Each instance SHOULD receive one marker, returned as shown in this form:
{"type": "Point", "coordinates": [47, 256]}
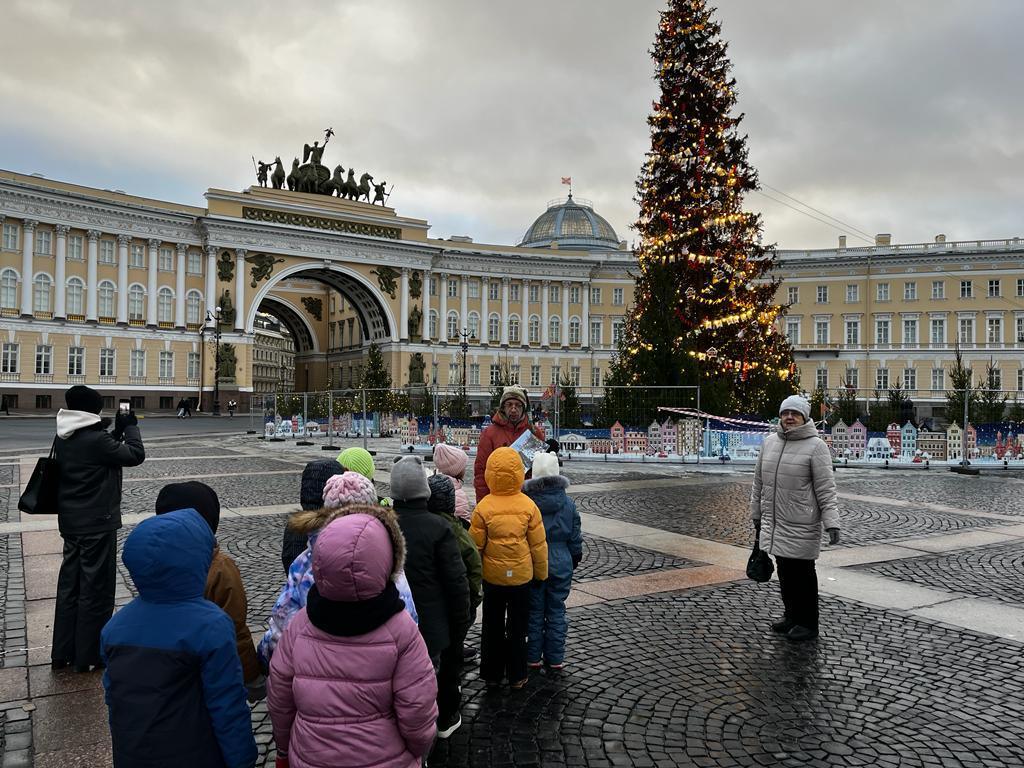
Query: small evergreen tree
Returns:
{"type": "Point", "coordinates": [880, 415]}
{"type": "Point", "coordinates": [901, 407]}
{"type": "Point", "coordinates": [504, 380]}
{"type": "Point", "coordinates": [845, 406]}
{"type": "Point", "coordinates": [569, 409]}
{"type": "Point", "coordinates": [992, 400]}
{"type": "Point", "coordinates": [376, 379]}
{"type": "Point", "coordinates": [960, 377]}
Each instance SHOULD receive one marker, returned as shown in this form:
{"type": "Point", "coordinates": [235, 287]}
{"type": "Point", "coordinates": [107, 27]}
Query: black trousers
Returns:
{"type": "Point", "coordinates": [85, 596]}
{"type": "Point", "coordinates": [503, 632]}
{"type": "Point", "coordinates": [449, 697]}
{"type": "Point", "coordinates": [799, 583]}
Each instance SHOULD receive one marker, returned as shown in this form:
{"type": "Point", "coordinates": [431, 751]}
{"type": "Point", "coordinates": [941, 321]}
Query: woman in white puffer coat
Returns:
{"type": "Point", "coordinates": [793, 498]}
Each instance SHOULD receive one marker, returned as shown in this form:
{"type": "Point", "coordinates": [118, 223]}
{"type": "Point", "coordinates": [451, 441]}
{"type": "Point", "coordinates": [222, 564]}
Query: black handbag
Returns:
{"type": "Point", "coordinates": [759, 566]}
{"type": "Point", "coordinates": [40, 495]}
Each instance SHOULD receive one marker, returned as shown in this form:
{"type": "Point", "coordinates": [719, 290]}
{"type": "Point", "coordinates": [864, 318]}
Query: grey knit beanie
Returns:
{"type": "Point", "coordinates": [408, 480]}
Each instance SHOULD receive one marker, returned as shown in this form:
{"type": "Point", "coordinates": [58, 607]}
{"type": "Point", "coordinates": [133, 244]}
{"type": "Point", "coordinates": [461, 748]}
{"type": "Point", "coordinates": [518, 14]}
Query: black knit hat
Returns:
{"type": "Point", "coordinates": [191, 495]}
{"type": "Point", "coordinates": [442, 494]}
{"type": "Point", "coordinates": [82, 398]}
{"type": "Point", "coordinates": [314, 478]}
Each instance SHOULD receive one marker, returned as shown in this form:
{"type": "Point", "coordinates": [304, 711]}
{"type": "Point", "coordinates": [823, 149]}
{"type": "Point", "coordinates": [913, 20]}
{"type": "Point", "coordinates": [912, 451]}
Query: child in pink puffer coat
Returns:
{"type": "Point", "coordinates": [351, 682]}
{"type": "Point", "coordinates": [451, 460]}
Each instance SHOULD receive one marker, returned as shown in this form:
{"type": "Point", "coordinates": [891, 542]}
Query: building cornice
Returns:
{"type": "Point", "coordinates": [915, 254]}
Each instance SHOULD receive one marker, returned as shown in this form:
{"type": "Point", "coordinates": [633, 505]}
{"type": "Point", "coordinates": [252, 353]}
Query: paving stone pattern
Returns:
{"type": "Point", "coordinates": [169, 450]}
{"type": "Point", "coordinates": [12, 603]}
{"type": "Point", "coordinates": [8, 505]}
{"type": "Point", "coordinates": [7, 473]}
{"type": "Point", "coordinates": [613, 474]}
{"type": "Point", "coordinates": [993, 572]}
{"type": "Point", "coordinates": [248, 491]}
{"type": "Point", "coordinates": [607, 559]}
{"type": "Point", "coordinates": [991, 493]}
{"type": "Point", "coordinates": [188, 468]}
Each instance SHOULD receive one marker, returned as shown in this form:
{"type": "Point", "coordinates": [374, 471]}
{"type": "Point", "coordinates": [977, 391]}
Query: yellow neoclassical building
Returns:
{"type": "Point", "coordinates": [117, 291]}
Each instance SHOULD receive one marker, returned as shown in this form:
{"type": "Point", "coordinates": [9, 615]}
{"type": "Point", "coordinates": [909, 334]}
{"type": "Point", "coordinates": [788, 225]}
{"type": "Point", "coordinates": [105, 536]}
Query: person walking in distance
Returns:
{"type": "Point", "coordinates": [88, 516]}
{"type": "Point", "coordinates": [792, 499]}
{"type": "Point", "coordinates": [506, 426]}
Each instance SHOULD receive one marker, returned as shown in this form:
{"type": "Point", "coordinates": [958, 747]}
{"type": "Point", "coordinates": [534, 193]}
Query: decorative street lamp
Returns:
{"type": "Point", "coordinates": [215, 317]}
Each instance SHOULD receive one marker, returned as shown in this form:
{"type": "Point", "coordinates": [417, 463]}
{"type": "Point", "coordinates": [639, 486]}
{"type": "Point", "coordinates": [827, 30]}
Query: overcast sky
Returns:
{"type": "Point", "coordinates": [904, 117]}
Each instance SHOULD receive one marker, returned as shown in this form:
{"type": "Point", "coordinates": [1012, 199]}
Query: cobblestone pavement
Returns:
{"type": "Point", "coordinates": [251, 491]}
{"type": "Point", "coordinates": [992, 493]}
{"type": "Point", "coordinates": [170, 470]}
{"type": "Point", "coordinates": [6, 474]}
{"type": "Point", "coordinates": [608, 559]}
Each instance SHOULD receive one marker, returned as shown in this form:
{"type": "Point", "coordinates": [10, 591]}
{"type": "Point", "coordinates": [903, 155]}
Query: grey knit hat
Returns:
{"type": "Point", "coordinates": [442, 494]}
{"type": "Point", "coordinates": [408, 480]}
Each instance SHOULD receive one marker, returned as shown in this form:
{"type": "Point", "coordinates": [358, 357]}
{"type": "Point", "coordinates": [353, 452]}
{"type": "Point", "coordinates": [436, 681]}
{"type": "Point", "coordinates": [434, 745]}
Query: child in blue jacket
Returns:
{"type": "Point", "coordinates": [173, 680]}
{"type": "Point", "coordinates": [548, 624]}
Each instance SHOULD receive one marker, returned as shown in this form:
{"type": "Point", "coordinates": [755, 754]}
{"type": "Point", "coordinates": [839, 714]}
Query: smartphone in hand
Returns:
{"type": "Point", "coordinates": [124, 406]}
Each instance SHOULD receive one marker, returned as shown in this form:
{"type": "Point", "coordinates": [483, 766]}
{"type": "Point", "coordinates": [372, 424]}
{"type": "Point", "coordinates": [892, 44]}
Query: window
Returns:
{"type": "Point", "coordinates": [138, 402]}
{"type": "Point", "coordinates": [534, 375]}
{"type": "Point", "coordinates": [852, 293]}
{"type": "Point", "coordinates": [452, 325]}
{"type": "Point", "coordinates": [555, 330]}
{"type": "Point", "coordinates": [107, 252]}
{"type": "Point", "coordinates": [76, 361]}
{"type": "Point", "coordinates": [617, 297]}
{"type": "Point", "coordinates": [909, 379]}
{"type": "Point", "coordinates": [1020, 286]}
{"type": "Point", "coordinates": [882, 292]}
{"type": "Point", "coordinates": [137, 256]}
{"type": "Point", "coordinates": [595, 295]}
{"type": "Point", "coordinates": [910, 291]}
{"type": "Point", "coordinates": [44, 242]}
{"type": "Point", "coordinates": [853, 331]}
{"type": "Point", "coordinates": [938, 334]}
{"type": "Point", "coordinates": [909, 330]}
{"type": "Point", "coordinates": [9, 358]}
{"type": "Point", "coordinates": [617, 326]}
{"type": "Point", "coordinates": [823, 294]}
{"type": "Point", "coordinates": [534, 329]}
{"type": "Point", "coordinates": [195, 263]}
{"type": "Point", "coordinates": [433, 286]}
{"type": "Point", "coordinates": [166, 365]}
{"type": "Point", "coordinates": [493, 328]}
{"type": "Point", "coordinates": [513, 292]}
{"type": "Point", "coordinates": [74, 248]}
{"type": "Point", "coordinates": [453, 374]}
{"type": "Point", "coordinates": [595, 333]}
{"type": "Point", "coordinates": [107, 362]}
{"type": "Point", "coordinates": [136, 296]}
{"type": "Point", "coordinates": [881, 331]}
{"type": "Point", "coordinates": [966, 289]}
{"type": "Point", "coordinates": [44, 359]}
{"type": "Point", "coordinates": [137, 363]}
{"type": "Point", "coordinates": [574, 294]}
{"type": "Point", "coordinates": [852, 378]}
{"type": "Point", "coordinates": [8, 289]}
{"type": "Point", "coordinates": [966, 330]}
{"type": "Point", "coordinates": [1020, 379]}
{"type": "Point", "coordinates": [474, 374]}
{"type": "Point", "coordinates": [882, 378]}
{"type": "Point", "coordinates": [41, 293]}
{"type": "Point", "coordinates": [995, 330]}
{"type": "Point", "coordinates": [821, 378]}
{"type": "Point", "coordinates": [10, 237]}
{"type": "Point", "coordinates": [793, 330]}
{"type": "Point", "coordinates": [595, 377]}
{"type": "Point", "coordinates": [493, 290]}
{"type": "Point", "coordinates": [106, 299]}
{"type": "Point", "coordinates": [495, 374]}
{"type": "Point", "coordinates": [996, 380]}
{"type": "Point", "coordinates": [555, 373]}
{"type": "Point", "coordinates": [193, 307]}
{"type": "Point", "coordinates": [453, 289]}
{"type": "Point", "coordinates": [793, 294]}
{"type": "Point", "coordinates": [514, 374]}
{"type": "Point", "coordinates": [165, 305]}
{"type": "Point", "coordinates": [432, 326]}
{"type": "Point", "coordinates": [473, 325]}
{"type": "Point", "coordinates": [44, 402]}
{"type": "Point", "coordinates": [474, 289]}
{"type": "Point", "coordinates": [938, 289]}
{"type": "Point", "coordinates": [575, 327]}
{"type": "Point", "coordinates": [938, 379]}
{"type": "Point", "coordinates": [513, 329]}
{"type": "Point", "coordinates": [821, 331]}
{"type": "Point", "coordinates": [534, 293]}
{"type": "Point", "coordinates": [995, 289]}
{"type": "Point", "coordinates": [574, 375]}
{"type": "Point", "coordinates": [73, 296]}
{"type": "Point", "coordinates": [165, 260]}
{"type": "Point", "coordinates": [555, 293]}
{"type": "Point", "coordinates": [1020, 328]}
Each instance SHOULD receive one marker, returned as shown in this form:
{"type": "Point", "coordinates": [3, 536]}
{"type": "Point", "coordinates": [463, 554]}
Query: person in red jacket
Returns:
{"type": "Point", "coordinates": [511, 420]}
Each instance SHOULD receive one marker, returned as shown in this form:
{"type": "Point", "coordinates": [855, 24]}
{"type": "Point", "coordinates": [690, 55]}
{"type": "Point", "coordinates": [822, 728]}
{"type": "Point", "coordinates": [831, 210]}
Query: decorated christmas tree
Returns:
{"type": "Point", "coordinates": [704, 307]}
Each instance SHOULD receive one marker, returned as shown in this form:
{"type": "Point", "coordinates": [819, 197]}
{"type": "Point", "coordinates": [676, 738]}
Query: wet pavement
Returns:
{"type": "Point", "coordinates": [669, 657]}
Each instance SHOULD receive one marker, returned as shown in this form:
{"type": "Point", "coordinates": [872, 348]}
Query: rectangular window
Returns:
{"type": "Point", "coordinates": [910, 379]}
{"type": "Point", "coordinates": [44, 359]}
{"type": "Point", "coordinates": [574, 294]}
{"type": "Point", "coordinates": [822, 296]}
{"type": "Point", "coordinates": [853, 331]}
{"type": "Point", "coordinates": [996, 381]}
{"type": "Point", "coordinates": [76, 361]}
{"type": "Point", "coordinates": [195, 264]}
{"type": "Point", "coordinates": [433, 286]}
{"type": "Point", "coordinates": [852, 378]}
{"type": "Point", "coordinates": [107, 252]}
{"type": "Point", "coordinates": [534, 293]}
{"type": "Point", "coordinates": [1020, 329]}
{"type": "Point", "coordinates": [166, 365]}
{"type": "Point", "coordinates": [9, 358]}
{"type": "Point", "coordinates": [882, 292]}
{"type": "Point", "coordinates": [938, 289]}
{"type": "Point", "coordinates": [881, 331]}
{"type": "Point", "coordinates": [966, 330]}
{"type": "Point", "coordinates": [910, 291]}
{"type": "Point", "coordinates": [595, 333]}
{"type": "Point", "coordinates": [617, 326]}
{"type": "Point", "coordinates": [192, 371]}
{"type": "Point", "coordinates": [555, 372]}
{"type": "Point", "coordinates": [574, 375]}
{"type": "Point", "coordinates": [966, 289]}
{"type": "Point", "coordinates": [793, 330]}
{"type": "Point", "coordinates": [44, 402]}
{"type": "Point", "coordinates": [495, 374]}
{"type": "Point", "coordinates": [995, 289]}
{"type": "Point", "coordinates": [555, 293]}
{"type": "Point", "coordinates": [44, 242]}
{"type": "Point", "coordinates": [474, 374]}
{"type": "Point", "coordinates": [514, 374]}
{"type": "Point", "coordinates": [1020, 286]}
{"type": "Point", "coordinates": [534, 375]}
{"type": "Point", "coordinates": [595, 377]}
{"type": "Point", "coordinates": [137, 363]}
{"type": "Point", "coordinates": [10, 237]}
{"type": "Point", "coordinates": [852, 293]}
{"type": "Point", "coordinates": [938, 332]}
{"type": "Point", "coordinates": [618, 297]}
{"type": "Point", "coordinates": [107, 366]}
{"type": "Point", "coordinates": [165, 260]}
{"type": "Point", "coordinates": [513, 292]}
{"type": "Point", "coordinates": [137, 256]}
{"type": "Point", "coordinates": [454, 374]}
{"type": "Point", "coordinates": [793, 294]}
{"type": "Point", "coordinates": [995, 330]}
{"type": "Point", "coordinates": [821, 331]}
{"type": "Point", "coordinates": [938, 379]}
{"type": "Point", "coordinates": [453, 289]}
{"type": "Point", "coordinates": [821, 378]}
{"type": "Point", "coordinates": [595, 295]}
{"type": "Point", "coordinates": [882, 378]}
{"type": "Point", "coordinates": [74, 247]}
{"type": "Point", "coordinates": [909, 331]}
{"type": "Point", "coordinates": [1020, 379]}
{"type": "Point", "coordinates": [474, 289]}
{"type": "Point", "coordinates": [494, 290]}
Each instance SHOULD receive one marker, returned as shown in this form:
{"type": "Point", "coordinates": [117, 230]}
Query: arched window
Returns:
{"type": "Point", "coordinates": [513, 329]}
{"type": "Point", "coordinates": [73, 296]}
{"type": "Point", "coordinates": [432, 328]}
{"type": "Point", "coordinates": [136, 302]}
{"type": "Point", "coordinates": [453, 325]}
{"type": "Point", "coordinates": [555, 330]}
{"type": "Point", "coordinates": [575, 330]}
{"type": "Point", "coordinates": [8, 289]}
{"type": "Point", "coordinates": [493, 328]}
{"type": "Point", "coordinates": [106, 299]}
{"type": "Point", "coordinates": [193, 307]}
{"type": "Point", "coordinates": [165, 305]}
{"type": "Point", "coordinates": [534, 329]}
{"type": "Point", "coordinates": [474, 325]}
{"type": "Point", "coordinates": [41, 285]}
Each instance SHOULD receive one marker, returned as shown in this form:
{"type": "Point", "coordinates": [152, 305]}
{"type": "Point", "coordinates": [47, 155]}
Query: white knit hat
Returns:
{"type": "Point", "coordinates": [798, 404]}
{"type": "Point", "coordinates": [545, 465]}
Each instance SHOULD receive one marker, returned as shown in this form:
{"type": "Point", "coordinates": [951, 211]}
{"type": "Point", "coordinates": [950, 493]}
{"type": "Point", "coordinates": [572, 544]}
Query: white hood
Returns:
{"type": "Point", "coordinates": [69, 422]}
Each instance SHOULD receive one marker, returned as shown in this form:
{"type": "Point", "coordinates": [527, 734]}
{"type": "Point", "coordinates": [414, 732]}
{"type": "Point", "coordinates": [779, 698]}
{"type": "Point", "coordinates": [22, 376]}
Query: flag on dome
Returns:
{"type": "Point", "coordinates": [567, 180]}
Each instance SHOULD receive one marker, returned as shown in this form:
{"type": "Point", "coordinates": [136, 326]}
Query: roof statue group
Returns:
{"type": "Point", "coordinates": [314, 177]}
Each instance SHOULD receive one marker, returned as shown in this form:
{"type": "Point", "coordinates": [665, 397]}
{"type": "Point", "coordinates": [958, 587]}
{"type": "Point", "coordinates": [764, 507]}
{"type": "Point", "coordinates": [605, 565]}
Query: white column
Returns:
{"type": "Point", "coordinates": [403, 307]}
{"type": "Point", "coordinates": [239, 289]}
{"type": "Point", "coordinates": [426, 305]}
{"type": "Point", "coordinates": [179, 288]}
{"type": "Point", "coordinates": [442, 284]}
{"type": "Point", "coordinates": [463, 303]}
{"type": "Point", "coordinates": [504, 311]}
{"type": "Point", "coordinates": [485, 287]}
{"type": "Point", "coordinates": [544, 317]}
{"type": "Point", "coordinates": [122, 278]}
{"type": "Point", "coordinates": [60, 272]}
{"type": "Point", "coordinates": [211, 283]}
{"type": "Point", "coordinates": [585, 320]}
{"type": "Point", "coordinates": [524, 325]}
{"type": "Point", "coordinates": [91, 286]}
{"type": "Point", "coordinates": [27, 244]}
{"type": "Point", "coordinates": [565, 313]}
{"type": "Point", "coordinates": [151, 284]}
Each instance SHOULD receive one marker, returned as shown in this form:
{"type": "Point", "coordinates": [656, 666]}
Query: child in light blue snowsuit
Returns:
{"type": "Point", "coordinates": [548, 624]}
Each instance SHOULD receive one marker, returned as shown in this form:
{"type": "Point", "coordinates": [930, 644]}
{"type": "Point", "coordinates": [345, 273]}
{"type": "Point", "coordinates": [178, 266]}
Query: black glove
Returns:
{"type": "Point", "coordinates": [833, 535]}
{"type": "Point", "coordinates": [576, 560]}
{"type": "Point", "coordinates": [757, 527]}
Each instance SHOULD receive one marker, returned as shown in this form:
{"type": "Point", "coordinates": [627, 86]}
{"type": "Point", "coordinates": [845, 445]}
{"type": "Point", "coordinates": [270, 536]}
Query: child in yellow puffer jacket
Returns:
{"type": "Point", "coordinates": [508, 529]}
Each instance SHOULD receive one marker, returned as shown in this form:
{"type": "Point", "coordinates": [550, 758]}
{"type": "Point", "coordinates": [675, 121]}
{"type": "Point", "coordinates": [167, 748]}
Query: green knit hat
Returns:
{"type": "Point", "coordinates": [357, 460]}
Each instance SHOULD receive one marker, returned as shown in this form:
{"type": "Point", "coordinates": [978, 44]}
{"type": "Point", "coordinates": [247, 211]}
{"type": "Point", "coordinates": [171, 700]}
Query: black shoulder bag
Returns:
{"type": "Point", "coordinates": [40, 496]}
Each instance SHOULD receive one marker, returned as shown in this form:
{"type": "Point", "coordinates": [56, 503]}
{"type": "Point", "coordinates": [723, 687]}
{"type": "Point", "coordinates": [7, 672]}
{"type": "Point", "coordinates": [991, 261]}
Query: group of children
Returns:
{"type": "Point", "coordinates": [361, 661]}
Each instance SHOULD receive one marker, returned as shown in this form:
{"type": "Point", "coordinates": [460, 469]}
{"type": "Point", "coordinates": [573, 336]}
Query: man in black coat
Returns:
{"type": "Point", "coordinates": [89, 515]}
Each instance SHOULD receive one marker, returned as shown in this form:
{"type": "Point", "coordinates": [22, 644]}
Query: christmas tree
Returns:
{"type": "Point", "coordinates": [704, 305]}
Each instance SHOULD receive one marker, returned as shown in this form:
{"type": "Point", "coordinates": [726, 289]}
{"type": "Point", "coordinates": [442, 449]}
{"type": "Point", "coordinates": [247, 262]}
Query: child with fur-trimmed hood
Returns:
{"type": "Point", "coordinates": [548, 623]}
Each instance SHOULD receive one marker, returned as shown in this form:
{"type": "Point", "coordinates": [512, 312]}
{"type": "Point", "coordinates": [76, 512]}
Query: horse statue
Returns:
{"type": "Point", "coordinates": [350, 191]}
{"type": "Point", "coordinates": [335, 183]}
{"type": "Point", "coordinates": [293, 177]}
{"type": "Point", "coordinates": [364, 186]}
{"type": "Point", "coordinates": [277, 179]}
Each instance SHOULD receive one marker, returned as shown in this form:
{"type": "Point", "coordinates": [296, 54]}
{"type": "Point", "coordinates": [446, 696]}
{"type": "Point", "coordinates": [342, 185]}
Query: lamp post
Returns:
{"type": "Point", "coordinates": [433, 387]}
{"type": "Point", "coordinates": [214, 315]}
{"type": "Point", "coordinates": [465, 349]}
